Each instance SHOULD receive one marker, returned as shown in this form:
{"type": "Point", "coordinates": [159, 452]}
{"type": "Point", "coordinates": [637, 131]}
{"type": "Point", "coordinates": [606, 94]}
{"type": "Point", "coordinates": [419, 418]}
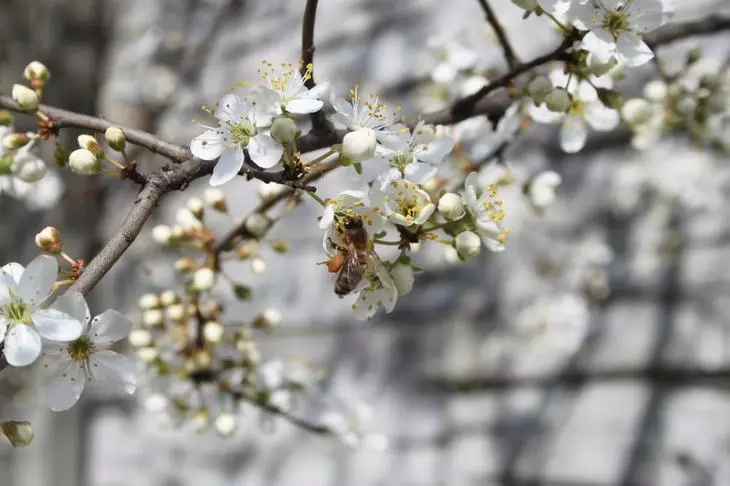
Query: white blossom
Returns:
{"type": "Point", "coordinates": [204, 279]}
{"type": "Point", "coordinates": [487, 211]}
{"type": "Point", "coordinates": [23, 318]}
{"type": "Point", "coordinates": [416, 155]}
{"type": "Point", "coordinates": [87, 359]}
{"type": "Point", "coordinates": [349, 204]}
{"type": "Point", "coordinates": [238, 128]}
{"type": "Point", "coordinates": [401, 201]}
{"type": "Point", "coordinates": [288, 88]}
{"type": "Point", "coordinates": [451, 206]}
{"type": "Point", "coordinates": [25, 97]}
{"type": "Point", "coordinates": [555, 322]}
{"type": "Point", "coordinates": [541, 190]}
{"type": "Point", "coordinates": [380, 292]}
{"type": "Point", "coordinates": [362, 112]}
{"type": "Point", "coordinates": [359, 145]}
{"type": "Point", "coordinates": [467, 244]}
{"type": "Point", "coordinates": [615, 27]}
{"type": "Point", "coordinates": [402, 274]}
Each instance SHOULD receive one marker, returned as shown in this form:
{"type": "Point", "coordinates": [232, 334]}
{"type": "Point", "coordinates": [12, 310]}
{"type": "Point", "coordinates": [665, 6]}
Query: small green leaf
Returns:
{"type": "Point", "coordinates": [20, 434]}
{"type": "Point", "coordinates": [358, 167]}
{"type": "Point", "coordinates": [242, 292]}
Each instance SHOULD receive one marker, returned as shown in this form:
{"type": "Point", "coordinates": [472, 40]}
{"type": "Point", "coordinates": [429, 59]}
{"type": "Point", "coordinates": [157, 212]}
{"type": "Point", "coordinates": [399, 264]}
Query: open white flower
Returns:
{"type": "Point", "coordinates": [585, 108]}
{"type": "Point", "coordinates": [362, 112]}
{"type": "Point", "coordinates": [615, 27]}
{"type": "Point", "coordinates": [349, 204]}
{"type": "Point", "coordinates": [399, 200]}
{"type": "Point", "coordinates": [23, 320]}
{"type": "Point", "coordinates": [479, 139]}
{"type": "Point", "coordinates": [416, 155]}
{"type": "Point", "coordinates": [487, 212]}
{"type": "Point", "coordinates": [541, 190]}
{"type": "Point", "coordinates": [288, 87]}
{"type": "Point", "coordinates": [87, 359]}
{"type": "Point", "coordinates": [238, 125]}
{"type": "Point", "coordinates": [381, 291]}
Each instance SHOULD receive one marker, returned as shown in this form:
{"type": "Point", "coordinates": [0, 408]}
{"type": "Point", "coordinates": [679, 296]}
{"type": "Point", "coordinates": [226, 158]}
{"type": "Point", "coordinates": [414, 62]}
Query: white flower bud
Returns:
{"type": "Point", "coordinates": [656, 90]}
{"type": "Point", "coordinates": [451, 206]}
{"type": "Point", "coordinates": [216, 199]}
{"type": "Point", "coordinates": [451, 256]}
{"type": "Point", "coordinates": [539, 88]}
{"type": "Point", "coordinates": [29, 169]}
{"type": "Point", "coordinates": [25, 97]}
{"type": "Point", "coordinates": [558, 100]}
{"type": "Point", "coordinates": [114, 137]}
{"type": "Point", "coordinates": [637, 111]}
{"type": "Point", "coordinates": [528, 5]}
{"type": "Point", "coordinates": [15, 141]}
{"type": "Point", "coordinates": [148, 354]}
{"type": "Point", "coordinates": [258, 265]}
{"type": "Point", "coordinates": [213, 331]}
{"type": "Point", "coordinates": [139, 338]}
{"type": "Point", "coordinates": [403, 277]}
{"type": "Point", "coordinates": [185, 265]}
{"type": "Point", "coordinates": [359, 145]}
{"type": "Point", "coordinates": [83, 162]}
{"type": "Point", "coordinates": [468, 244]}
{"type": "Point", "coordinates": [257, 224]}
{"type": "Point", "coordinates": [91, 144]}
{"type": "Point", "coordinates": [162, 234]}
{"type": "Point", "coordinates": [225, 424]}
{"type": "Point", "coordinates": [36, 70]}
{"type": "Point", "coordinates": [168, 297]}
{"type": "Point", "coordinates": [49, 240]}
{"type": "Point", "coordinates": [268, 320]}
{"type": "Point", "coordinates": [280, 399]}
{"type": "Point", "coordinates": [152, 317]}
{"type": "Point", "coordinates": [283, 130]}
{"type": "Point", "coordinates": [196, 206]}
{"type": "Point", "coordinates": [598, 68]}
{"type": "Point", "coordinates": [204, 279]}
{"type": "Point", "coordinates": [469, 86]}
{"type": "Point", "coordinates": [542, 189]}
{"type": "Point", "coordinates": [149, 301]}
{"type": "Point", "coordinates": [176, 312]}
{"type": "Point", "coordinates": [200, 419]}
{"type": "Point", "coordinates": [187, 219]}
{"type": "Point", "coordinates": [248, 350]}
{"type": "Point", "coordinates": [270, 190]}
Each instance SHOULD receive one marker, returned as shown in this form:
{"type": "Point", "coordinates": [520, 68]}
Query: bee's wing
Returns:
{"type": "Point", "coordinates": [377, 267]}
{"type": "Point", "coordinates": [353, 272]}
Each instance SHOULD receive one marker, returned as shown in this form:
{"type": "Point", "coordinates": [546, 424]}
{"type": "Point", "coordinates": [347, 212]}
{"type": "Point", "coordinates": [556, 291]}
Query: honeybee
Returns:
{"type": "Point", "coordinates": [355, 258]}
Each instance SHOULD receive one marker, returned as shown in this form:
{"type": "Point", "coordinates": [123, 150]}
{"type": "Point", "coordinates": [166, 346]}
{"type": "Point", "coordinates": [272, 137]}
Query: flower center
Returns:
{"type": "Point", "coordinates": [400, 161]}
{"type": "Point", "coordinates": [17, 311]}
{"type": "Point", "coordinates": [241, 133]}
{"type": "Point", "coordinates": [81, 349]}
{"type": "Point", "coordinates": [616, 22]}
{"type": "Point", "coordinates": [577, 107]}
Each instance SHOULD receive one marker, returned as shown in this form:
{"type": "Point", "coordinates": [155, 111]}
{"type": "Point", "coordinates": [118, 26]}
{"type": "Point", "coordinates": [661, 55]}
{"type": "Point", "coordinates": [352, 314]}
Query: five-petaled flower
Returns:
{"type": "Point", "coordinates": [399, 200]}
{"type": "Point", "coordinates": [288, 86]}
{"type": "Point", "coordinates": [23, 318]}
{"type": "Point", "coordinates": [416, 155]}
{"type": "Point", "coordinates": [487, 211]}
{"type": "Point", "coordinates": [87, 359]}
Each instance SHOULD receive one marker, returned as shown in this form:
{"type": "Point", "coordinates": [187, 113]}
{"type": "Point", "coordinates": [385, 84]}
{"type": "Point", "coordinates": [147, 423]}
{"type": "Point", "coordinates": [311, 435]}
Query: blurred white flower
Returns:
{"type": "Point", "coordinates": [415, 154]}
{"type": "Point", "coordinates": [557, 323]}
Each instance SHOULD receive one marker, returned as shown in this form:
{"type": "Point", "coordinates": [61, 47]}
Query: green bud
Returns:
{"type": "Point", "coordinates": [242, 292]}
{"type": "Point", "coordinates": [6, 118]}
{"type": "Point", "coordinates": [693, 56]}
{"type": "Point", "coordinates": [20, 434]}
{"type": "Point", "coordinates": [6, 164]}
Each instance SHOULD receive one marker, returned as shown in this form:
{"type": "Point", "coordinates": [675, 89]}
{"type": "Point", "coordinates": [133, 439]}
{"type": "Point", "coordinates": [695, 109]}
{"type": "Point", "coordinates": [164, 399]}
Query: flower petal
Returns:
{"type": "Point", "coordinates": [265, 151]}
{"type": "Point", "coordinates": [418, 172]}
{"type": "Point", "coordinates": [14, 271]}
{"type": "Point", "coordinates": [433, 152]}
{"type": "Point", "coordinates": [22, 345]}
{"type": "Point", "coordinates": [74, 305]}
{"type": "Point", "coordinates": [328, 217]}
{"type": "Point", "coordinates": [632, 51]}
{"type": "Point", "coordinates": [573, 134]}
{"type": "Point", "coordinates": [114, 370]}
{"type": "Point", "coordinates": [231, 109]}
{"type": "Point", "coordinates": [208, 146]}
{"type": "Point", "coordinates": [320, 91]}
{"type": "Point", "coordinates": [303, 106]}
{"type": "Point", "coordinates": [109, 327]}
{"type": "Point", "coordinates": [56, 325]}
{"type": "Point", "coordinates": [597, 42]}
{"type": "Point", "coordinates": [66, 386]}
{"type": "Point", "coordinates": [601, 118]}
{"type": "Point", "coordinates": [227, 166]}
{"type": "Point", "coordinates": [36, 283]}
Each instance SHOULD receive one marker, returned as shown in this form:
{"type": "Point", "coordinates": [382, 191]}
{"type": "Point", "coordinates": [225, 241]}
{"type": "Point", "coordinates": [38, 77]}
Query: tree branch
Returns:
{"type": "Point", "coordinates": [509, 52]}
{"type": "Point", "coordinates": [310, 15]}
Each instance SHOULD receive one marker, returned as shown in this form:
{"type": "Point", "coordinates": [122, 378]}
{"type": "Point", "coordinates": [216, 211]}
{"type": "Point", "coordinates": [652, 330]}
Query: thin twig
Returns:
{"type": "Point", "coordinates": [509, 52]}
{"type": "Point", "coordinates": [310, 15]}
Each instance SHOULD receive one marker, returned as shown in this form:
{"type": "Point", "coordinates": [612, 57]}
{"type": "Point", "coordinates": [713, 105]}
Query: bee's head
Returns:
{"type": "Point", "coordinates": [351, 223]}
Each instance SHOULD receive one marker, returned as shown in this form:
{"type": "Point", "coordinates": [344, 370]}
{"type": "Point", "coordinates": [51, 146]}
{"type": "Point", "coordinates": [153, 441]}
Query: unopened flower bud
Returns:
{"type": "Point", "coordinates": [29, 168]}
{"type": "Point", "coordinates": [209, 309]}
{"type": "Point", "coordinates": [15, 140]}
{"type": "Point", "coordinates": [598, 68]}
{"type": "Point", "coordinates": [36, 71]}
{"type": "Point", "coordinates": [114, 137]}
{"type": "Point", "coordinates": [359, 145]}
{"type": "Point", "coordinates": [257, 224]}
{"type": "Point", "coordinates": [204, 279]}
{"type": "Point", "coordinates": [542, 189]}
{"type": "Point", "coordinates": [188, 220]}
{"type": "Point", "coordinates": [269, 190]}
{"type": "Point", "coordinates": [6, 118]}
{"type": "Point", "coordinates": [258, 265]}
{"type": "Point", "coordinates": [539, 88]}
{"type": "Point", "coordinates": [148, 354]}
{"type": "Point", "coordinates": [213, 331]}
{"type": "Point", "coordinates": [268, 320]}
{"type": "Point", "coordinates": [451, 206]}
{"type": "Point", "coordinates": [225, 424]}
{"type": "Point", "coordinates": [91, 144]}
{"type": "Point", "coordinates": [216, 199]}
{"type": "Point", "coordinates": [451, 256]}
{"type": "Point", "coordinates": [176, 312]}
{"type": "Point", "coordinates": [468, 244]}
{"type": "Point", "coordinates": [49, 240]}
{"type": "Point", "coordinates": [83, 162]}
{"type": "Point", "coordinates": [152, 317]}
{"type": "Point", "coordinates": [637, 111]}
{"type": "Point", "coordinates": [139, 338]}
{"type": "Point", "coordinates": [20, 434]}
{"type": "Point", "coordinates": [656, 90]}
{"type": "Point", "coordinates": [283, 130]}
{"type": "Point", "coordinates": [402, 274]}
{"type": "Point", "coordinates": [168, 297]}
{"type": "Point", "coordinates": [248, 351]}
{"type": "Point", "coordinates": [185, 265]}
{"type": "Point", "coordinates": [25, 97]}
{"type": "Point", "coordinates": [162, 234]}
{"type": "Point", "coordinates": [200, 419]}
{"type": "Point", "coordinates": [528, 5]}
{"type": "Point", "coordinates": [149, 301]}
{"type": "Point", "coordinates": [196, 206]}
{"type": "Point", "coordinates": [558, 100]}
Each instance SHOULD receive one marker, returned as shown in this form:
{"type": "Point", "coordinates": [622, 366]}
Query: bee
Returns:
{"type": "Point", "coordinates": [355, 258]}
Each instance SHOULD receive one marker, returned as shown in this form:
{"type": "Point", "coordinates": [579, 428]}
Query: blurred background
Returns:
{"type": "Point", "coordinates": [631, 262]}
